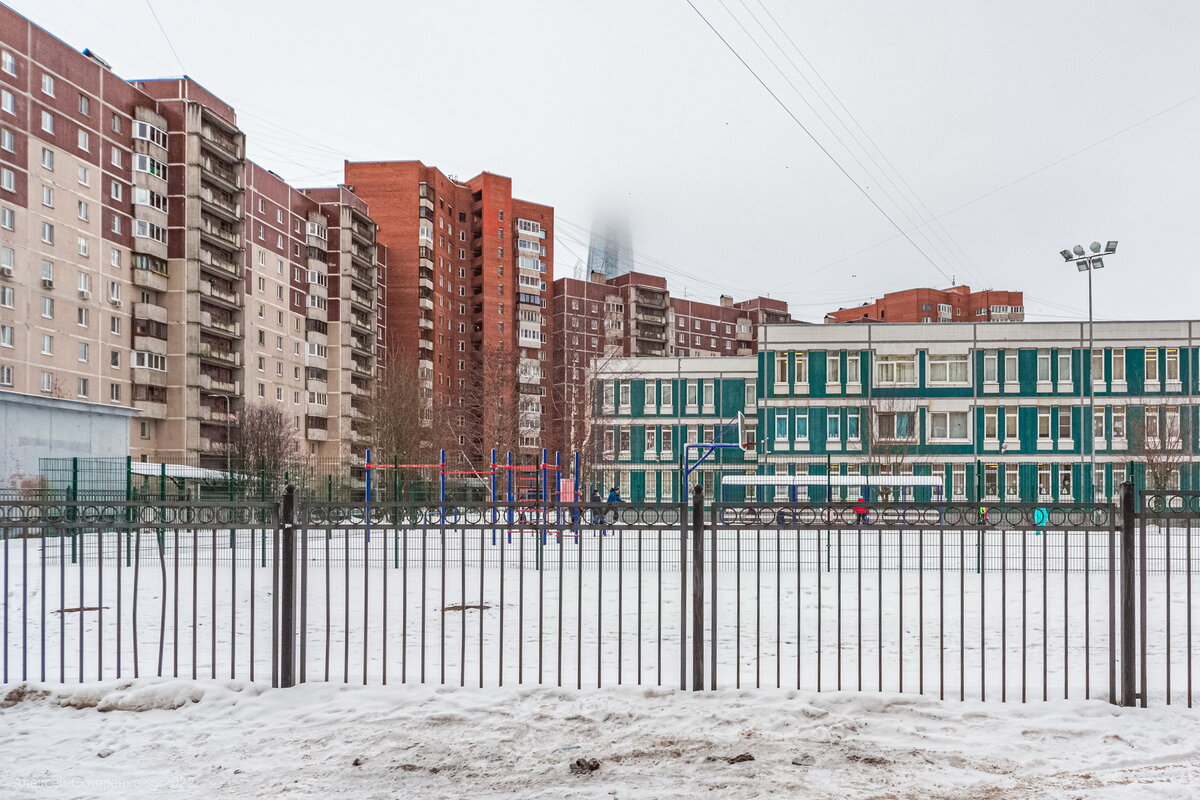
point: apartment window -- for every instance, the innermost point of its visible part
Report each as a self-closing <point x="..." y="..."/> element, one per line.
<point x="81" y="387"/>
<point x="991" y="424"/>
<point x="8" y="102"/>
<point x="948" y="369"/>
<point x="85" y="143"/>
<point x="6" y="297"/>
<point x="1118" y="365"/>
<point x="833" y="368"/>
<point x="81" y="209"/>
<point x="47" y="233"/>
<point x="801" y="367"/>
<point x="1010" y="424"/>
<point x="1011" y="374"/>
<point x="896" y="425"/>
<point x="895" y="370"/>
<point x="48" y="196"/>
<point x="1043" y="424"/>
<point x="85" y="105"/>
<point x="143" y="425"/>
<point x="6" y="140"/>
<point x="48" y="122"/>
<point x="115" y="157"/>
<point x="1098" y="365"/>
<point x="83" y="246"/>
<point x="1172" y="364"/>
<point x="781" y="367"/>
<point x="781" y="427"/>
<point x="47" y="345"/>
<point x="852" y="424"/>
<point x="144" y="163"/>
<point x="7" y="218"/>
<point x="114" y="392"/>
<point x="6" y="375"/>
<point x="1064" y="423"/>
<point x="114" y="292"/>
<point x="154" y="361"/>
<point x="6" y="336"/>
<point x="48" y="307"/>
<point x="948" y="425"/>
<point x="81" y="317"/>
<point x="1043" y="366"/>
<point x="8" y="180"/>
<point x="148" y="230"/>
<point x="8" y="63"/>
<point x="1064" y="365"/>
<point x="1152" y="365"/>
<point x="145" y="197"/>
<point x="84" y="352"/>
<point x="116" y="228"/>
<point x="85" y="178"/>
<point x="833" y="427"/>
<point x="114" y="359"/>
<point x="114" y="325"/>
<point x="47" y="381"/>
<point x="1118" y="422"/>
<point x="853" y="369"/>
<point x="116" y="191"/>
<point x="801" y="425"/>
<point x="7" y="258"/>
<point x="48" y="85"/>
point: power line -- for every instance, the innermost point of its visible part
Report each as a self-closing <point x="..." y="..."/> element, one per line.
<point x="815" y="141"/>
<point x="179" y="60"/>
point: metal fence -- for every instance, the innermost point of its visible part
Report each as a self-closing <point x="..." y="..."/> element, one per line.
<point x="1009" y="601"/>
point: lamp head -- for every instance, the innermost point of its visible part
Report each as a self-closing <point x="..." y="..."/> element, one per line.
<point x="1097" y="262"/>
<point x="1082" y="265"/>
<point x="1095" y="247"/>
<point x="1110" y="248"/>
<point x="1066" y="254"/>
<point x="1078" y="250"/>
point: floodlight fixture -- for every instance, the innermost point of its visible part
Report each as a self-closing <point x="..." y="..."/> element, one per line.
<point x="1082" y="265"/>
<point x="1078" y="250"/>
<point x="1095" y="247"/>
<point x="1110" y="248"/>
<point x="1097" y="262"/>
<point x="1067" y="255"/>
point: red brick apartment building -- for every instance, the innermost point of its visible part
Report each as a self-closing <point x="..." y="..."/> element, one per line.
<point x="468" y="277"/>
<point x="956" y="304"/>
<point x="634" y="315"/>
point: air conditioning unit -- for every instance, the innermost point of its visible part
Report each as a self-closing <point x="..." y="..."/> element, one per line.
<point x="48" y="283"/>
<point x="6" y="271"/>
<point x="116" y="301"/>
<point x="84" y="294"/>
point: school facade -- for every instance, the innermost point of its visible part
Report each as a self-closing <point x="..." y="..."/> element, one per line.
<point x="1045" y="412"/>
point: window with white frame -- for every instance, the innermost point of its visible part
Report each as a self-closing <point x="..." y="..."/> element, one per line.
<point x="1044" y="483"/>
<point x="895" y="370"/>
<point x="623" y="393"/>
<point x="991" y="423"/>
<point x="781" y="368"/>
<point x="1064" y="366"/>
<point x="1043" y="424"/>
<point x="833" y="426"/>
<point x="668" y="400"/>
<point x="948" y="425"/>
<point x="1172" y="437"/>
<point x="1011" y="372"/>
<point x="853" y="368"/>
<point x="945" y="369"/>
<point x="1151" y="425"/>
<point x="692" y="392"/>
<point x="1043" y="366"/>
<point x="1098" y="366"/>
<point x="781" y="427"/>
<point x="1171" y="364"/>
<point x="1151" y="365"/>
<point x="667" y="434"/>
<point x="896" y="425"/>
<point x="707" y="389"/>
<point x="833" y="368"/>
<point x="1118" y="422"/>
<point x="853" y="425"/>
<point x="1011" y="433"/>
<point x="801" y="426"/>
<point x="1118" y="365"/>
<point x="1064" y="423"/>
<point x="801" y="367"/>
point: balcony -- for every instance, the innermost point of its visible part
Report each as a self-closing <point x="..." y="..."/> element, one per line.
<point x="220" y="263"/>
<point x="363" y="276"/>
<point x="217" y="385"/>
<point x="225" y="296"/>
<point x="150" y="409"/>
<point x="362" y="322"/>
<point x="222" y="236"/>
<point x="219" y="325"/>
<point x="148" y="279"/>
<point x="222" y="175"/>
<point x="220" y="142"/>
<point x="652" y="335"/>
<point x="650" y="319"/>
<point x="150" y="311"/>
<point x="362" y="367"/>
<point x="362" y="344"/>
<point x="221" y="355"/>
<point x="425" y="344"/>
<point x="222" y="203"/>
<point x="425" y="323"/>
<point x="529" y="388"/>
<point x="364" y="254"/>
<point x="651" y="299"/>
<point x="361" y="298"/>
<point x="361" y="230"/>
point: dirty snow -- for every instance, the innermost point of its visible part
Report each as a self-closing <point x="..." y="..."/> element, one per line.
<point x="170" y="738"/>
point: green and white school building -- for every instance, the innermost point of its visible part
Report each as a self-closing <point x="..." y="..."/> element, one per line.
<point x="960" y="411"/>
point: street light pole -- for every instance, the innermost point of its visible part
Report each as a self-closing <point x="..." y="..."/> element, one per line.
<point x="1089" y="264"/>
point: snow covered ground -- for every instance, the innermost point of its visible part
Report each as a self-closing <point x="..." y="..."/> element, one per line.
<point x="433" y="615"/>
<point x="156" y="738"/>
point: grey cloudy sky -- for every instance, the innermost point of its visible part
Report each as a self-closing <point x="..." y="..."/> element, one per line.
<point x="640" y="107"/>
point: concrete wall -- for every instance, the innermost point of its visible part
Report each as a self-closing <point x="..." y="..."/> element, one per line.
<point x="45" y="427"/>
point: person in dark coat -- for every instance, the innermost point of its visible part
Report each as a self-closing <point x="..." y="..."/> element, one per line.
<point x="610" y="507"/>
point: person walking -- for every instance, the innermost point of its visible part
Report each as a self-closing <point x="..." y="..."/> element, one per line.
<point x="614" y="497"/>
<point x="596" y="512"/>
<point x="860" y="511"/>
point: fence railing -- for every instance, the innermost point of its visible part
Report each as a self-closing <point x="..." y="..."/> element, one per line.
<point x="1009" y="601"/>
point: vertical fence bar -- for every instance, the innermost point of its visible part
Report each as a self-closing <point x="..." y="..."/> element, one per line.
<point x="287" y="591"/>
<point x="698" y="588"/>
<point x="1128" y="609"/>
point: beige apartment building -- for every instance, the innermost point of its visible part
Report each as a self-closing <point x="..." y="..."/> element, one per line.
<point x="145" y="263"/>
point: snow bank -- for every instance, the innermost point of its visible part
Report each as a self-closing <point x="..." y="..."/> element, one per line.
<point x="233" y="739"/>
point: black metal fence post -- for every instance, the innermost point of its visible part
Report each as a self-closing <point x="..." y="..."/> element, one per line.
<point x="287" y="590"/>
<point x="1129" y="693"/>
<point x="698" y="588"/>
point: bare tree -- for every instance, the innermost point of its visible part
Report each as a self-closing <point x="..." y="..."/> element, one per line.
<point x="1159" y="440"/>
<point x="400" y="414"/>
<point x="891" y="438"/>
<point x="264" y="438"/>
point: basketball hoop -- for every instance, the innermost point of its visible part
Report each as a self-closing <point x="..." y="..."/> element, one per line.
<point x="745" y="440"/>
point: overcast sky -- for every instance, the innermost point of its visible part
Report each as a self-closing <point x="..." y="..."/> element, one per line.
<point x="638" y="106"/>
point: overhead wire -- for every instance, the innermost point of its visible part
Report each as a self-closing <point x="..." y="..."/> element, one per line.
<point x="816" y="141"/>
